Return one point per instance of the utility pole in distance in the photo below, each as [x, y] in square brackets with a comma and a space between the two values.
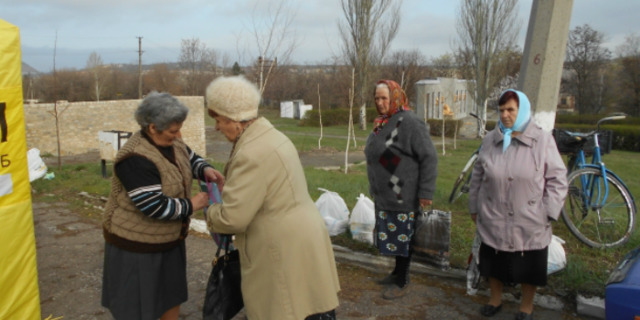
[139, 67]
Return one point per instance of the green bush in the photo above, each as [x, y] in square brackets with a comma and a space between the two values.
[435, 127]
[625, 136]
[334, 117]
[592, 119]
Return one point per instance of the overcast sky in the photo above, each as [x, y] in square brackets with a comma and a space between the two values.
[111, 27]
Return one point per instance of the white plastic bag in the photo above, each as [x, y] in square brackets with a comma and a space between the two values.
[334, 211]
[37, 168]
[363, 220]
[557, 258]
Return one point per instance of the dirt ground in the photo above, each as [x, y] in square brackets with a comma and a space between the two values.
[70, 250]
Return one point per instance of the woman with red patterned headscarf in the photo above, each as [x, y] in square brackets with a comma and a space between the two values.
[401, 167]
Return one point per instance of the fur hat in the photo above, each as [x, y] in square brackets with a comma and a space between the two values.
[233, 97]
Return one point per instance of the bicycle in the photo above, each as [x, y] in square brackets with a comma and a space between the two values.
[599, 209]
[461, 186]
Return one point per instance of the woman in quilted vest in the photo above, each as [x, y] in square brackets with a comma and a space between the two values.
[147, 215]
[286, 258]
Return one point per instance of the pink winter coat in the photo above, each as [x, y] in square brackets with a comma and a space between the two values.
[517, 193]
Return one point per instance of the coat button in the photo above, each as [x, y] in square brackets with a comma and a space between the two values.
[510, 246]
[511, 213]
[510, 178]
[532, 202]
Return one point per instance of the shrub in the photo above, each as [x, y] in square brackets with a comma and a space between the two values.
[334, 117]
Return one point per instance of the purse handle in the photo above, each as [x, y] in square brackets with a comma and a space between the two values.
[224, 239]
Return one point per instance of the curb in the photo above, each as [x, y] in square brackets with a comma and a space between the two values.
[592, 307]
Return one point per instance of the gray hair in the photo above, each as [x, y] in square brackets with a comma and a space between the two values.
[383, 85]
[161, 109]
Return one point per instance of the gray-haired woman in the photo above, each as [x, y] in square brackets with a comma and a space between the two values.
[147, 215]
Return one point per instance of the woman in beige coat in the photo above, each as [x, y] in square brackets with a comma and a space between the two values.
[287, 263]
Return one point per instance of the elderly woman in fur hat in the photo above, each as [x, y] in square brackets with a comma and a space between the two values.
[287, 263]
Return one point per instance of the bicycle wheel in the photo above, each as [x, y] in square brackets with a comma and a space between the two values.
[596, 219]
[462, 183]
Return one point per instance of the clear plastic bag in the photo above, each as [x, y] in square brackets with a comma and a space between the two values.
[363, 220]
[432, 238]
[473, 272]
[334, 211]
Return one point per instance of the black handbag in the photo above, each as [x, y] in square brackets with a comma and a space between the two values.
[223, 298]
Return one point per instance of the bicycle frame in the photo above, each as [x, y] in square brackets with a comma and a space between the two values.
[593, 188]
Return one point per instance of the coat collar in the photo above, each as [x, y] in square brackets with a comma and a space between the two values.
[255, 130]
[527, 137]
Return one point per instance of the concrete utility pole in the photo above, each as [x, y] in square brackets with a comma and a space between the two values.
[140, 67]
[544, 54]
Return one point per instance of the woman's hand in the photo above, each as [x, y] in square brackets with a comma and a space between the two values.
[199, 201]
[425, 202]
[214, 175]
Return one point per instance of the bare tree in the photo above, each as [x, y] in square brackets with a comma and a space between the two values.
[350, 126]
[485, 28]
[161, 78]
[224, 63]
[96, 67]
[587, 59]
[406, 67]
[444, 66]
[368, 29]
[57, 109]
[199, 62]
[629, 74]
[320, 117]
[275, 39]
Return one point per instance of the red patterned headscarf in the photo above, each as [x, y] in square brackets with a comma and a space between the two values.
[397, 102]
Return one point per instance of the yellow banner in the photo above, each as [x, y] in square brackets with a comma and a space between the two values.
[19, 295]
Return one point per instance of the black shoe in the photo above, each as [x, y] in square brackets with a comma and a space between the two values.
[524, 316]
[390, 279]
[488, 310]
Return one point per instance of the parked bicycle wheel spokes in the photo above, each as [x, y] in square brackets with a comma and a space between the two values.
[598, 211]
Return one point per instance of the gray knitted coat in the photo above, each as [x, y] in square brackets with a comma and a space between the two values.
[401, 163]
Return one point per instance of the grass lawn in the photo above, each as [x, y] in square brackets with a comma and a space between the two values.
[587, 270]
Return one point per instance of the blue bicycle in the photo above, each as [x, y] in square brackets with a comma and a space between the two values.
[599, 209]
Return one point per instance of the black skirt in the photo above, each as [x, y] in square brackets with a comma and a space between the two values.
[143, 285]
[514, 267]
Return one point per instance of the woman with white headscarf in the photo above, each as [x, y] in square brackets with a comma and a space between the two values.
[518, 186]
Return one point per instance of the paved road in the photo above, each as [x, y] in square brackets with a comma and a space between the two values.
[70, 253]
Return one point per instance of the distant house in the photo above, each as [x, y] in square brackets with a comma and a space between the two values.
[294, 109]
[440, 97]
[566, 103]
[28, 70]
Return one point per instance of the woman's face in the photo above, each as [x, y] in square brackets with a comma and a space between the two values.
[509, 113]
[382, 100]
[229, 128]
[165, 137]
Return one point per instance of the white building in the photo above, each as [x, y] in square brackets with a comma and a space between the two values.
[443, 96]
[294, 109]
